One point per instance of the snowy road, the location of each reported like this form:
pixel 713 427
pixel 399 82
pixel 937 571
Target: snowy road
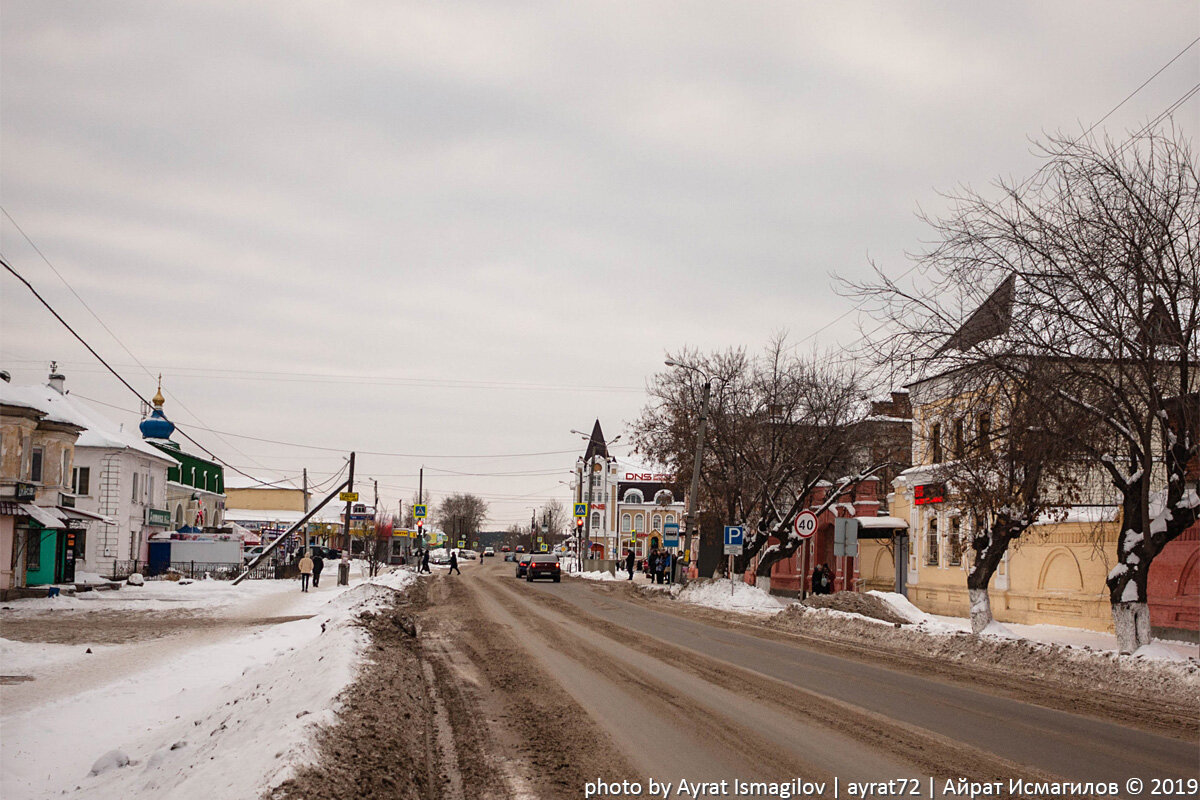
pixel 612 652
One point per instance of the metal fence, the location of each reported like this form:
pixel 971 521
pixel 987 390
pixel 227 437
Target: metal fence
pixel 196 570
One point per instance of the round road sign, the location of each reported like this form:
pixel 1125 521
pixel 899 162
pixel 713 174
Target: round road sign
pixel 805 524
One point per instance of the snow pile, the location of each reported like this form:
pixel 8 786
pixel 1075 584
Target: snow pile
pixel 598 576
pixel 863 605
pixel 225 719
pixel 156 595
pixel 730 596
pixel 902 606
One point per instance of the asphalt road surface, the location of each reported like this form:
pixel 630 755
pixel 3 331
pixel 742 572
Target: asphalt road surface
pixel 536 690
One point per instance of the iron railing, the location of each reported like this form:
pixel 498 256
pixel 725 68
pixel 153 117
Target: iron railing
pixel 197 570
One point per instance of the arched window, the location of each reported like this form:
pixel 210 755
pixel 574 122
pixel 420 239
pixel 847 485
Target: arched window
pixel 639 522
pixel 179 516
pixel 634 496
pixel 625 523
pixel 670 518
pixel 663 497
pixel 595 520
pixel 656 523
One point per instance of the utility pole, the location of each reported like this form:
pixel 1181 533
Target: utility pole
pixel 304 474
pixel 344 567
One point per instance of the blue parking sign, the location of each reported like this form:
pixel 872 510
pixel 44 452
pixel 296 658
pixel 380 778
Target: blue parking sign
pixel 735 536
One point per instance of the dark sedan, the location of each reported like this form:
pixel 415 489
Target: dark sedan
pixel 522 563
pixel 543 565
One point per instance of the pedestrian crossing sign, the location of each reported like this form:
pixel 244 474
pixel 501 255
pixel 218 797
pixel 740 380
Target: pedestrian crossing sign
pixel 462 543
pixel 419 510
pixel 581 509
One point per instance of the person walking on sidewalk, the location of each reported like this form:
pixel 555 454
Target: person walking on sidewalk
pixel 629 559
pixel 454 563
pixel 306 568
pixel 425 562
pixel 318 564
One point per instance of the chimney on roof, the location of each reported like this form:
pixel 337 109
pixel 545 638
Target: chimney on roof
pixel 57 380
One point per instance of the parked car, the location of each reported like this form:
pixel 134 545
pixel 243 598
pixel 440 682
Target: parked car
pixel 489 551
pixel 326 553
pixel 251 553
pixel 510 556
pixel 467 555
pixel 543 565
pixel 441 556
pixel 523 563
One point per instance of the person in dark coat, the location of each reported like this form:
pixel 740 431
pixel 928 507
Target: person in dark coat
pixel 425 561
pixel 454 563
pixel 818 579
pixel 828 579
pixel 664 567
pixel 318 565
pixel 629 559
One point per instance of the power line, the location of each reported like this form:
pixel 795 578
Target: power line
pixel 360 452
pixel 100 358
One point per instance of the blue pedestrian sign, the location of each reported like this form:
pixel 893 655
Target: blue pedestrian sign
pixel 581 509
pixel 419 510
pixel 735 536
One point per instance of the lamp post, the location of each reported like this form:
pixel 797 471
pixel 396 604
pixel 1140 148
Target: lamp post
pixel 690 519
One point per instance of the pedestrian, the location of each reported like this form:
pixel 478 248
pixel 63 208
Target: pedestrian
pixel 629 559
pixel 318 565
pixel 650 564
pixel 454 562
pixel 306 568
pixel 425 562
pixel 818 578
pixel 666 566
pixel 660 563
pixel 828 579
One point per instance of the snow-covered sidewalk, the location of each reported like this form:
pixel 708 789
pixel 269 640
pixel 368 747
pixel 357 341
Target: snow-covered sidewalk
pixel 225 711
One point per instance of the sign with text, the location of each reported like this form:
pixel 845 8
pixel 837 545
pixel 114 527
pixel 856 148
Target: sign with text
pixel 805 524
pixel 735 537
pixel 926 493
pixel 348 497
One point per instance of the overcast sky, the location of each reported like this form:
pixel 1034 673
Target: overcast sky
pixel 462 229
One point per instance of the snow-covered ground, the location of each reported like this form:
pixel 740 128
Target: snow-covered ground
pixel 225 712
pixel 742 597
pixel 1161 649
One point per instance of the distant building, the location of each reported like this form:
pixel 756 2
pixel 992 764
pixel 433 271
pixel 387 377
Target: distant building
pixel 629 506
pixel 195 486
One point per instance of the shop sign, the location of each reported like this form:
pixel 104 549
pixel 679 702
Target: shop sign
pixel 26 491
pixel 927 493
pixel 158 517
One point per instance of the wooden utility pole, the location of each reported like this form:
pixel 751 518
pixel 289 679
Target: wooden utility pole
pixel 344 567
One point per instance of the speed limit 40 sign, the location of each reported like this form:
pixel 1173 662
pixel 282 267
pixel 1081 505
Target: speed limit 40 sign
pixel 805 524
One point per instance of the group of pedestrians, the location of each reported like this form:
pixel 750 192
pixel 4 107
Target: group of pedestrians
pixel 310 567
pixel 656 565
pixel 822 579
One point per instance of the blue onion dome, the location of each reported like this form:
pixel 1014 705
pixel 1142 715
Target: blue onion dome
pixel 157 426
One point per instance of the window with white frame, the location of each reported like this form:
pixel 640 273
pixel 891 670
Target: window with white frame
pixel 656 523
pixel 954 548
pixel 639 522
pixel 81 480
pixel 626 522
pixel 931 543
pixel 634 496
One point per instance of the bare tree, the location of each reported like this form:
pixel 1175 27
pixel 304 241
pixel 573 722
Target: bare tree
pixel 1091 270
pixel 460 516
pixel 779 425
pixel 555 520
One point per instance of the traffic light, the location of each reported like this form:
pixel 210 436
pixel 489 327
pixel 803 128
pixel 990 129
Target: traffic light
pixel 579 522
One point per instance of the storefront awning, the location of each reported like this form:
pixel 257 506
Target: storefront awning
pixel 46 517
pixel 880 527
pixel 86 516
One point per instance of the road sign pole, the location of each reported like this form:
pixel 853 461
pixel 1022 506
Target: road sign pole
pixel 344 566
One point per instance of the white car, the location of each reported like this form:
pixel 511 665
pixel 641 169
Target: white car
pixel 489 551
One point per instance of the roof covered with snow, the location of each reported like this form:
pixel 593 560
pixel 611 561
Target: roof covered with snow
pixel 99 431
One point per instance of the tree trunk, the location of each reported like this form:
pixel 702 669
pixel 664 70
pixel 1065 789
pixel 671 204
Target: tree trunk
pixel 981 610
pixel 1131 622
pixel 988 549
pixel 1127 580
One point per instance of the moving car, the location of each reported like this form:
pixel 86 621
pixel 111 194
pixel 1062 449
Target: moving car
pixel 523 563
pixel 489 551
pixel 505 549
pixel 520 548
pixel 510 556
pixel 543 565
pixel 441 556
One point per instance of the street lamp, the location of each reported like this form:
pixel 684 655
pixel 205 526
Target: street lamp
pixel 695 489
